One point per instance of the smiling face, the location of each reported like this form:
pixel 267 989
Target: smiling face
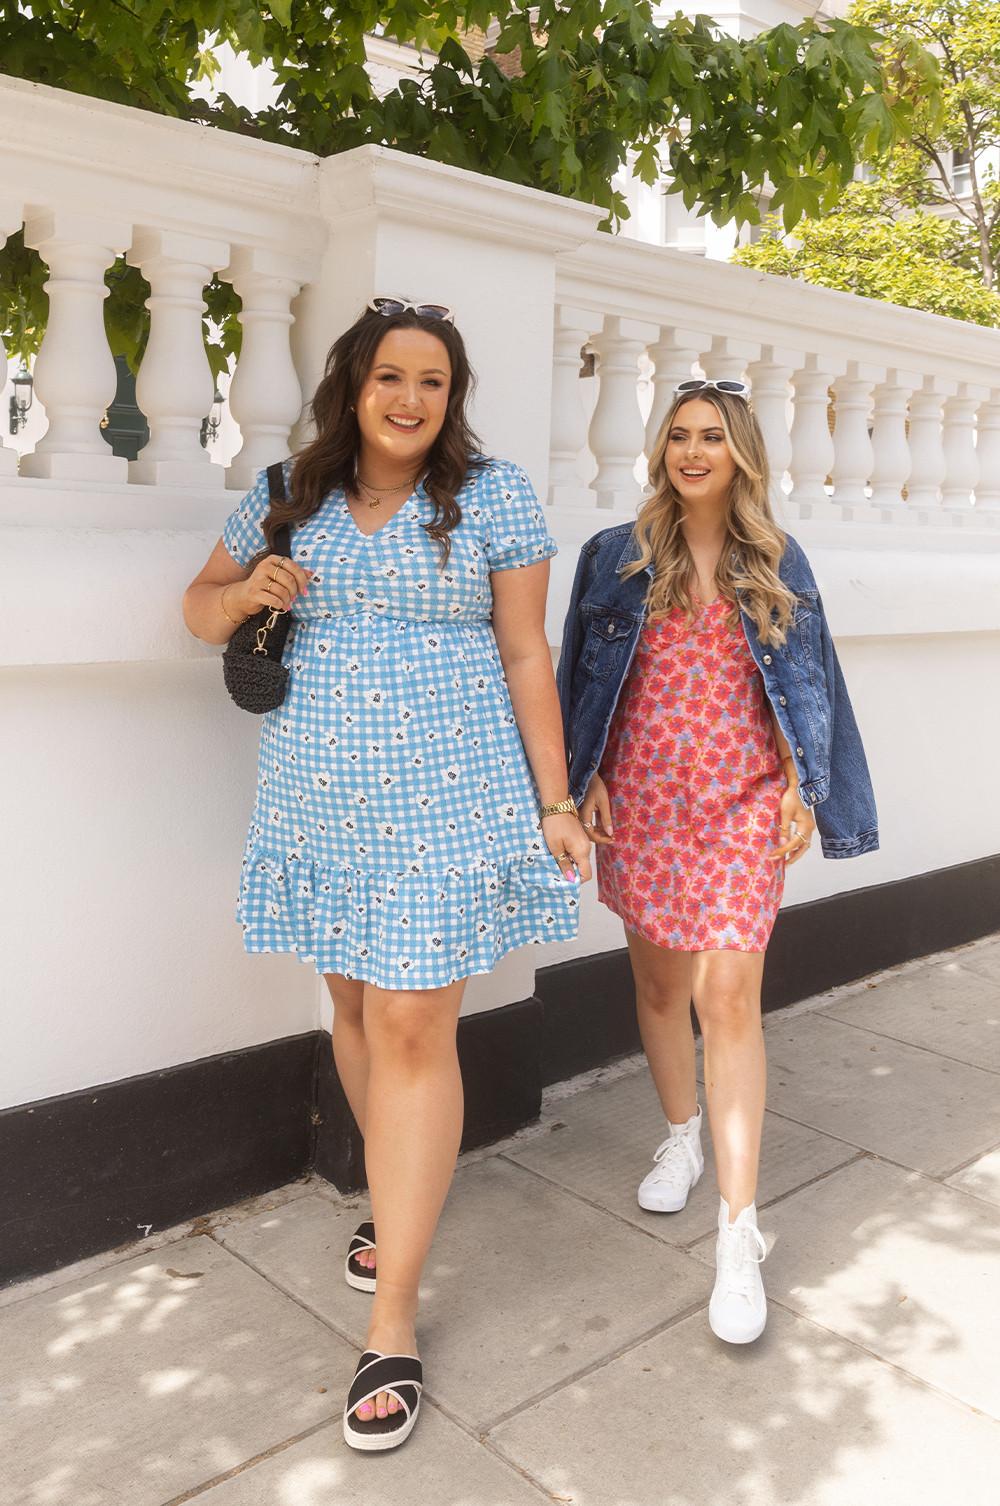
pixel 402 403
pixel 699 462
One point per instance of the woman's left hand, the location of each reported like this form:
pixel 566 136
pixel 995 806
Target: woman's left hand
pixel 569 845
pixel 797 825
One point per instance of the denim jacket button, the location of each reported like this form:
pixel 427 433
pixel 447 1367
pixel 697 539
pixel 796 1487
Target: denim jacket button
pixel 782 701
pixel 610 624
pixel 767 658
pixel 800 752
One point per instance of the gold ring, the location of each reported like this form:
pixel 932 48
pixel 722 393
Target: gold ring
pixel 561 855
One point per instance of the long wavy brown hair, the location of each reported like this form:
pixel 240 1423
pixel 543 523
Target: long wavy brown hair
pixel 331 459
pixel 754 543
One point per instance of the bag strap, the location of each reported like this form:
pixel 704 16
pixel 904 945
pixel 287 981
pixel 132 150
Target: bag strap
pixel 276 493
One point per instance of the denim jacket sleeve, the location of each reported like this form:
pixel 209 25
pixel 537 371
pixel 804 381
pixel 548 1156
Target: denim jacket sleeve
pixel 850 805
pixel 572 635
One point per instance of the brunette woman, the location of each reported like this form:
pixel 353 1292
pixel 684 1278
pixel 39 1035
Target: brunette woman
pixel 412 822
pixel 709 733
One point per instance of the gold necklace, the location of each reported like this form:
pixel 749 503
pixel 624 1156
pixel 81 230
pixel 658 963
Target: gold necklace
pixel 389 491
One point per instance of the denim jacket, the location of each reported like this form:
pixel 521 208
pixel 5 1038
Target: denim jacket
pixel 802 679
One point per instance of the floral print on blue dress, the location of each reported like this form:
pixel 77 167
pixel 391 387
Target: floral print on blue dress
pixel 395 835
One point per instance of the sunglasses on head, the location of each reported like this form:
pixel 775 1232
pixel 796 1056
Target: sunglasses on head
pixel 699 384
pixel 392 306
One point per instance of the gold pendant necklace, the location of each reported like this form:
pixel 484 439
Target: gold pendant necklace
pixel 389 491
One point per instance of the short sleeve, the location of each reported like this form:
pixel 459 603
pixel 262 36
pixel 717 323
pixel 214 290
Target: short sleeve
pixel 516 530
pixel 242 533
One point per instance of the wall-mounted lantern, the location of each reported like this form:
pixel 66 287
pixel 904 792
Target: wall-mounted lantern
pixel 21 399
pixel 211 424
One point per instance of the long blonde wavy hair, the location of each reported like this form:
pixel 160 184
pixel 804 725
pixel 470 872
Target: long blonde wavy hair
pixel 754 543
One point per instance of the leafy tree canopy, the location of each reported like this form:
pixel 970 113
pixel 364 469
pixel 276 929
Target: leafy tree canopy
pixel 918 259
pixel 962 116
pixel 599 84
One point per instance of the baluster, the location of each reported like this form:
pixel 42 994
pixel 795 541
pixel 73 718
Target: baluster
pixel 927 462
pixel 727 359
pixel 812 443
pixel 10 220
pixel 75 375
pixel 853 454
pixel 890 446
pixel 769 379
pixel 673 354
pixel 616 429
pixel 174 388
pixel 265 397
pixel 988 447
pixel 960 457
pixel 568 432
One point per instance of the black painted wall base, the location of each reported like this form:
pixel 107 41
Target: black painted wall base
pixel 88 1171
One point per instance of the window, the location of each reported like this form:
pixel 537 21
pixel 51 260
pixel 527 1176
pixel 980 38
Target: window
pixel 961 172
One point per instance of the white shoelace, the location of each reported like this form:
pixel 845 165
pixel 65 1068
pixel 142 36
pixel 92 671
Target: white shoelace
pixel 676 1161
pixel 741 1249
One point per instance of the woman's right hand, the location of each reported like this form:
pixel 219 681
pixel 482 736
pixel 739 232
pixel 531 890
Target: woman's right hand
pixel 274 582
pixel 595 812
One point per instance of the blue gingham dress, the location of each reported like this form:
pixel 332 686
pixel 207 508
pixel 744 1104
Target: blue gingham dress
pixel 395 835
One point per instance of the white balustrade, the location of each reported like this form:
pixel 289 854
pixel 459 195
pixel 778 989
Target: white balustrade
pixel 673 355
pixel 616 429
pixel 265 396
pixel 988 449
pixel 74 373
pixel 890 469
pixel 853 453
pixel 174 387
pixel 960 457
pixel 769 382
pixel 10 220
pixel 568 421
pixel 927 461
pixel 812 443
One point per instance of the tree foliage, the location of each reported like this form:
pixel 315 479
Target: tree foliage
pixel 963 115
pixel 600 83
pixel 917 259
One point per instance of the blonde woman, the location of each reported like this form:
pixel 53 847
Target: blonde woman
pixel 710 734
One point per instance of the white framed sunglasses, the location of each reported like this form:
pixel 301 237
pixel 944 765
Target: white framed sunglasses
pixel 391 306
pixel 700 384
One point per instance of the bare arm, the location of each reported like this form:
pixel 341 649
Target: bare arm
pixel 223 594
pixel 519 625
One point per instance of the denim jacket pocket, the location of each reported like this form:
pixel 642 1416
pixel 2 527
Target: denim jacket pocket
pixel 607 636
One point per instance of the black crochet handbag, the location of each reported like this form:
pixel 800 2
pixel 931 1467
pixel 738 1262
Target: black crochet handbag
pixel 251 665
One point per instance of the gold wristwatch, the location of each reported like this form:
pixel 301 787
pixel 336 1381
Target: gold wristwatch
pixel 565 807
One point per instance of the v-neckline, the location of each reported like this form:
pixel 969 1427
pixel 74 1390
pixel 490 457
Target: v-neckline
pixel 402 508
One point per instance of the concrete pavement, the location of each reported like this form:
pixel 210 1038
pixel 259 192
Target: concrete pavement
pixel 564 1332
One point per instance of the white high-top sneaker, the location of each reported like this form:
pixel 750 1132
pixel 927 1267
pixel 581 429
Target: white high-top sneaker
pixel 679 1165
pixel 738 1309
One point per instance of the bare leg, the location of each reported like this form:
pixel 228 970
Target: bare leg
pixel 350 1053
pixel 727 1001
pixel 413 1126
pixel 663 1007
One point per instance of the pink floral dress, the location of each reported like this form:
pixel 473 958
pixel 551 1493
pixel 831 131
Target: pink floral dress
pixel 695 782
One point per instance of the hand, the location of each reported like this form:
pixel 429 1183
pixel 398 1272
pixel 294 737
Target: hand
pixel 794 844
pixel 275 582
pixel 595 813
pixel 569 845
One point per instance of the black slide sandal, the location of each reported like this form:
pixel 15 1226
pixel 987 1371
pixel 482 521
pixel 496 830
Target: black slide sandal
pixel 401 1376
pixel 361 1277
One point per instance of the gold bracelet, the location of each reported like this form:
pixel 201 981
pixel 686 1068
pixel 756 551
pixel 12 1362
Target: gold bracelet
pixel 565 807
pixel 222 604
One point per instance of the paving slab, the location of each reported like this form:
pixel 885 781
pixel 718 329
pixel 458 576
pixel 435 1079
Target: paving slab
pixel 903 1265
pixel 440 1464
pixel 524 1286
pixel 606 1143
pixel 948 1008
pixel 136 1384
pixel 801 1418
pixel 982 959
pixel 981 1179
pixel 900 1101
